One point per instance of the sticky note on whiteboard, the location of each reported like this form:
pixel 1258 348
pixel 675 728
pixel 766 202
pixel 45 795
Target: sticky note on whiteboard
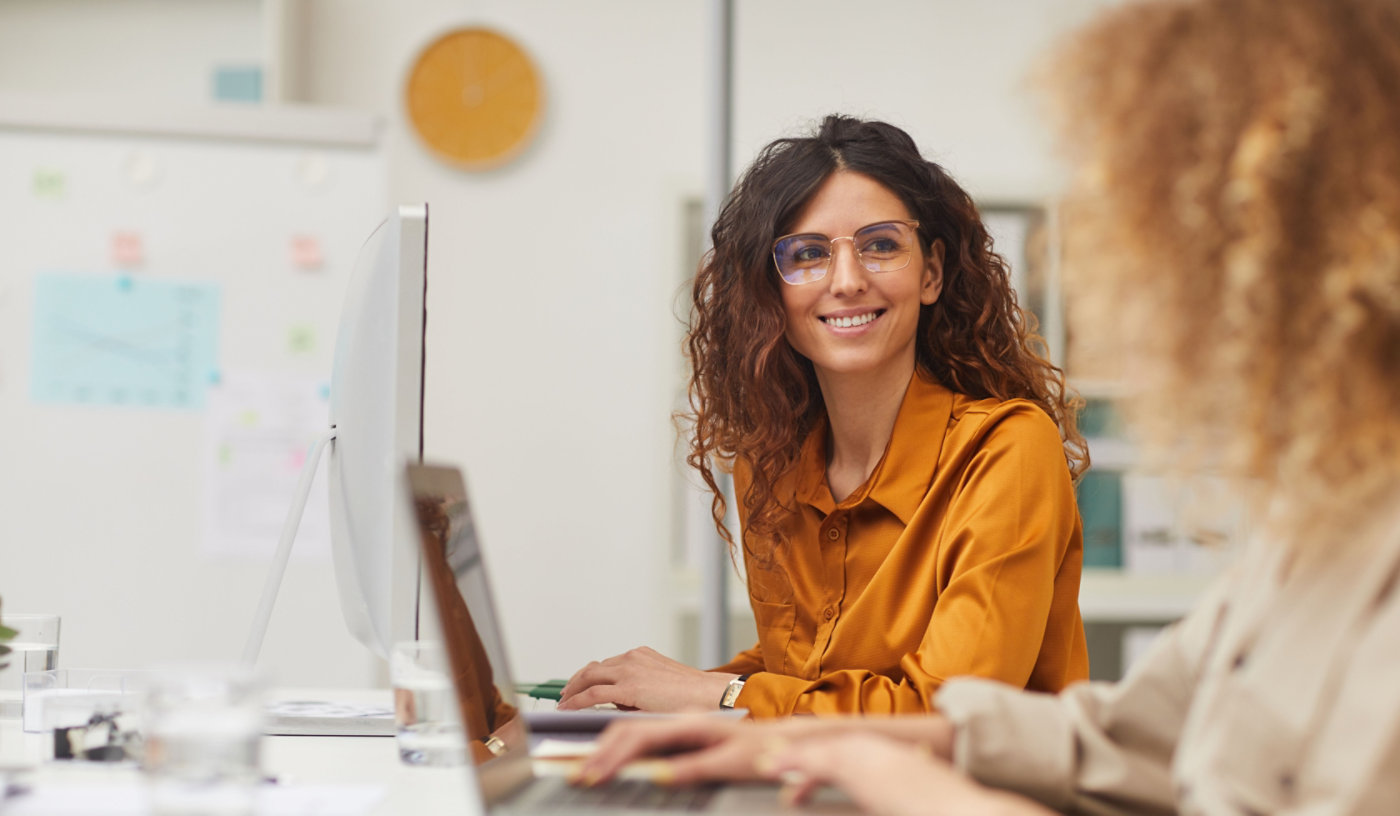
pixel 148 344
pixel 49 184
pixel 306 252
pixel 128 249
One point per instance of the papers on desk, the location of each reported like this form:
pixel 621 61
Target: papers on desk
pixel 571 746
pixel 123 799
pixel 593 720
pixel 303 718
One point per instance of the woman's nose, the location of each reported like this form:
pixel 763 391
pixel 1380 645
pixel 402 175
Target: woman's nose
pixel 848 275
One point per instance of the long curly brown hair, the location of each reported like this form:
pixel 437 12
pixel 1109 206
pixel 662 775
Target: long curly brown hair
pixel 752 397
pixel 1235 228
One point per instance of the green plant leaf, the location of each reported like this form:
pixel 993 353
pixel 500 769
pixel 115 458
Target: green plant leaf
pixel 6 633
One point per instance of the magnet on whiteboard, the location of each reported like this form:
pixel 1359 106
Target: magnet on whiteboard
pixel 314 171
pixel 142 170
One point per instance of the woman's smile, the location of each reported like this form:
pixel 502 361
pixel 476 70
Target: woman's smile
pixel 849 320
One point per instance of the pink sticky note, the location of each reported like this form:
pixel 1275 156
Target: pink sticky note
pixel 306 252
pixel 128 249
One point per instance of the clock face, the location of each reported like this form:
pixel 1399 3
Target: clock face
pixel 474 97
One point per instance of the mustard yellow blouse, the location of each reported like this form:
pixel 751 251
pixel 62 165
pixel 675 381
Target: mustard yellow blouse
pixel 960 555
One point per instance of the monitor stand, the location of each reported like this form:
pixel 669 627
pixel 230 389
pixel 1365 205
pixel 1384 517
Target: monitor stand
pixel 330 713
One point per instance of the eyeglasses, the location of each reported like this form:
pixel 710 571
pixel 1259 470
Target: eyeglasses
pixel 882 247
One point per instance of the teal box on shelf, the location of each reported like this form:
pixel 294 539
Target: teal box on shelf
pixel 1100 495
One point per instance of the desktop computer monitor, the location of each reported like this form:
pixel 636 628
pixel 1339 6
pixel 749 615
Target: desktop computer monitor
pixel 375 427
pixel 376 412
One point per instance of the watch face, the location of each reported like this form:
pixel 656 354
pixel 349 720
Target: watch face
pixel 731 693
pixel 474 98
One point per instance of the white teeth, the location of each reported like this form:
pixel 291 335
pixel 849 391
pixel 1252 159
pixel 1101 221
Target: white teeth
pixel 848 322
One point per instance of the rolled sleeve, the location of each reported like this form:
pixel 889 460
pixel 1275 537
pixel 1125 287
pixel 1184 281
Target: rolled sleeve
pixel 1010 739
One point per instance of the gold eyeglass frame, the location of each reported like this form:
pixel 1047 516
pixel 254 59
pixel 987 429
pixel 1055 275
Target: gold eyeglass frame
pixel 832 257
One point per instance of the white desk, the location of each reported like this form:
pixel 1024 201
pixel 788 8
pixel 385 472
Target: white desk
pixel 294 761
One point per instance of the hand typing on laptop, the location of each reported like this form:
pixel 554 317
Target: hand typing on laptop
pixel 645 680
pixel 878 760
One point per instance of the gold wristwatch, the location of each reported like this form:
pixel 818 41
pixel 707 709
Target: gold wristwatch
pixel 731 691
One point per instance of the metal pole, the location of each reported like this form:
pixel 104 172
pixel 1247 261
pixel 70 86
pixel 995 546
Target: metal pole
pixel 714 561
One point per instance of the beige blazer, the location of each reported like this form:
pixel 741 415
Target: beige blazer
pixel 1278 694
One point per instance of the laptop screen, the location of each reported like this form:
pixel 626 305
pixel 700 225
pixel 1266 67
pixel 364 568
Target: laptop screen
pixel 497 737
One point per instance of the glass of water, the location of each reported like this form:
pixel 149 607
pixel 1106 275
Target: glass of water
pixel 203 727
pixel 34 649
pixel 429 727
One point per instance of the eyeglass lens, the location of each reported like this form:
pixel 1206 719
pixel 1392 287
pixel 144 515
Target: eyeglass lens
pixel 882 247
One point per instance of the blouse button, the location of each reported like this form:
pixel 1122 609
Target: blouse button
pixel 828 613
pixel 833 533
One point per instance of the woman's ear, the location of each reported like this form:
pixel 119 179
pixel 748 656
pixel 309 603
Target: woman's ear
pixel 932 285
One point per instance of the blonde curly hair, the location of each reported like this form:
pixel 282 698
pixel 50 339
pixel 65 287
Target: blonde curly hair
pixel 1234 226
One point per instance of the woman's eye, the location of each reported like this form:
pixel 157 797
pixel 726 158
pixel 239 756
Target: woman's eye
pixel 809 253
pixel 881 245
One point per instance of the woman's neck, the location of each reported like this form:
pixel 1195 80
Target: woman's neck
pixel 861 411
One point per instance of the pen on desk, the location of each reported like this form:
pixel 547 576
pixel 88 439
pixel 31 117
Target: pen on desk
pixel 548 690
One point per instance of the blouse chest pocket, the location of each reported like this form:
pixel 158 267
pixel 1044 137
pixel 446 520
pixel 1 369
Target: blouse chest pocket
pixel 774 611
pixel 774 623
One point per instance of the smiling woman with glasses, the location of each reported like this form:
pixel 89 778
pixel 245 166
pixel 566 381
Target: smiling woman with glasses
pixel 902 451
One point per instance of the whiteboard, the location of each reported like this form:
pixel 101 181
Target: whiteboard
pixel 224 237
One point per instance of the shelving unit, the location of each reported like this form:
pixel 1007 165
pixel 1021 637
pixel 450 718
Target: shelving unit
pixel 1116 596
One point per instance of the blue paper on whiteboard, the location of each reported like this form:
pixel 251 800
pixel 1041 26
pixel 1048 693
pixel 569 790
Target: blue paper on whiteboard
pixel 118 340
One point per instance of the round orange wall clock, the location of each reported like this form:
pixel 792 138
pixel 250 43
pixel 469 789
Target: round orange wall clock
pixel 474 97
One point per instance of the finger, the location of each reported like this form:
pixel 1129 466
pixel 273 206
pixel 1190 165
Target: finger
pixel 576 680
pixel 623 742
pixel 594 674
pixel 797 788
pixel 816 760
pixel 592 696
pixel 879 774
pixel 728 760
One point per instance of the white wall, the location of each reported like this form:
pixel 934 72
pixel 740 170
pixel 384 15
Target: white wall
pixel 551 340
pixel 553 346
pixel 136 49
pixel 951 72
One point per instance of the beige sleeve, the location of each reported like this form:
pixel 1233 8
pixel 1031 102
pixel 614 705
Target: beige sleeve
pixel 1100 748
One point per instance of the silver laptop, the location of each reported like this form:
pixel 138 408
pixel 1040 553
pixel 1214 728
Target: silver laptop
pixel 498 735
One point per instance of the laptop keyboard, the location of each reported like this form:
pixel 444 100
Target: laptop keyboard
pixel 631 794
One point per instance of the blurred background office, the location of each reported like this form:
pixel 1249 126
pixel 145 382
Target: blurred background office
pixel 243 149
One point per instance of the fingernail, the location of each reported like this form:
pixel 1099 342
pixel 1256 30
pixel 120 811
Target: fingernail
pixel 792 777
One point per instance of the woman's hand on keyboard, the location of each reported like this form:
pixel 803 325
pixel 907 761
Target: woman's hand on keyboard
pixel 697 749
pixel 646 680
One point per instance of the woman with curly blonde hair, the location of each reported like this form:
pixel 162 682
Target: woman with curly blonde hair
pixel 903 453
pixel 1235 229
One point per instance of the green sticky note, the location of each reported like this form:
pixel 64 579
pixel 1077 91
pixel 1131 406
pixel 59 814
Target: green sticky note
pixel 49 184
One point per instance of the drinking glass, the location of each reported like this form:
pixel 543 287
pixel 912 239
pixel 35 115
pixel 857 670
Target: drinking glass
pixel 34 649
pixel 203 738
pixel 428 724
